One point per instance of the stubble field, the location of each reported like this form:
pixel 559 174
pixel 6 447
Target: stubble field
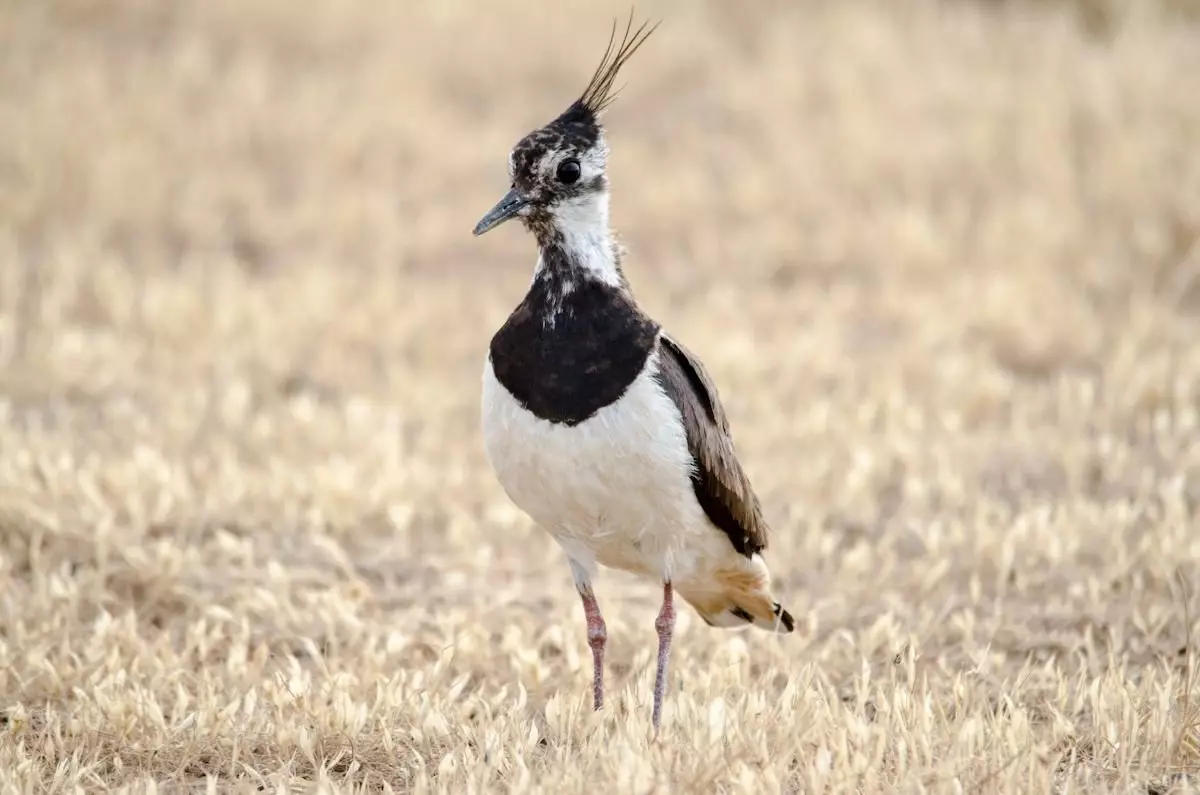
pixel 941 259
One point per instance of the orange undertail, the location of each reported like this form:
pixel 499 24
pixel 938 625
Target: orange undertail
pixel 738 598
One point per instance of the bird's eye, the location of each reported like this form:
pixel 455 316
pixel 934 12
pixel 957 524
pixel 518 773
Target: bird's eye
pixel 568 171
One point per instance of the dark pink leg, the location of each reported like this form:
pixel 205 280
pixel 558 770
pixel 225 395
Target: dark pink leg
pixel 597 637
pixel 665 624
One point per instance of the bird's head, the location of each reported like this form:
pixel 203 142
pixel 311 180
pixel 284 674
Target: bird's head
pixel 558 172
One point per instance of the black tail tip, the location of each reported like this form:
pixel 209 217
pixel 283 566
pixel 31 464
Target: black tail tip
pixel 785 618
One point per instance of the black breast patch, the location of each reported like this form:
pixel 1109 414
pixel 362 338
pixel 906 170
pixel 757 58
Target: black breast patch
pixel 566 370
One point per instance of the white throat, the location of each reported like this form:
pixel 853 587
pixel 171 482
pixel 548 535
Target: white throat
pixel 586 237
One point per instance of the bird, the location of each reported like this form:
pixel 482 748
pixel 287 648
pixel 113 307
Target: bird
pixel 600 425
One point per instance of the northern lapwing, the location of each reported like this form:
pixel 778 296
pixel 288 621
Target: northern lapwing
pixel 599 425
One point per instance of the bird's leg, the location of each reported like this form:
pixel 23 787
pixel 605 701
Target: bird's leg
pixel 665 624
pixel 597 637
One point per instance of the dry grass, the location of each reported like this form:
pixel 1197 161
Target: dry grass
pixel 942 259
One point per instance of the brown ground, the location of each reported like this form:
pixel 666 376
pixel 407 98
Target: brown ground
pixel 941 259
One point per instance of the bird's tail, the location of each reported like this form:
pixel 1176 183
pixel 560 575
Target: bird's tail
pixel 739 596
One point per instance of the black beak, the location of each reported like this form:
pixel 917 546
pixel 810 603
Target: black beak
pixel 505 209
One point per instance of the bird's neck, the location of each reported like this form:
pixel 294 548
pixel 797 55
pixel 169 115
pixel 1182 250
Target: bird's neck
pixel 578 243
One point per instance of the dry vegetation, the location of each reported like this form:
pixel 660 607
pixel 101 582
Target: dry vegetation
pixel 941 258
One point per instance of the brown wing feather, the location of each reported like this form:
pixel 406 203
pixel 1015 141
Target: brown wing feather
pixel 720 483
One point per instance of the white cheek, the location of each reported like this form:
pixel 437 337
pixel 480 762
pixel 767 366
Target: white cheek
pixel 592 164
pixel 583 222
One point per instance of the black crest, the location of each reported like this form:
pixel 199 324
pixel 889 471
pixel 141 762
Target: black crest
pixel 599 94
pixel 578 127
pixel 585 112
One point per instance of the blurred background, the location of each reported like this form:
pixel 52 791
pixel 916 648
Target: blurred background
pixel 940 257
pixel 933 252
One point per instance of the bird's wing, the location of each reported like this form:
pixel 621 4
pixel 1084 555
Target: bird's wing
pixel 720 483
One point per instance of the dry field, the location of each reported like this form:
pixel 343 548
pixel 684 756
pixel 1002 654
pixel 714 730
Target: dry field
pixel 942 259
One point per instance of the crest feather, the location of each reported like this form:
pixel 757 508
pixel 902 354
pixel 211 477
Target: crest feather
pixel 599 94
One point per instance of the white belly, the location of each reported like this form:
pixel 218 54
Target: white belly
pixel 614 489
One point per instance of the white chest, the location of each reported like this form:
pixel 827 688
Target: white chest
pixel 614 489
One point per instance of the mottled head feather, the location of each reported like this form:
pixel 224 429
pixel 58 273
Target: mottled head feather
pixel 558 172
pixel 575 135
